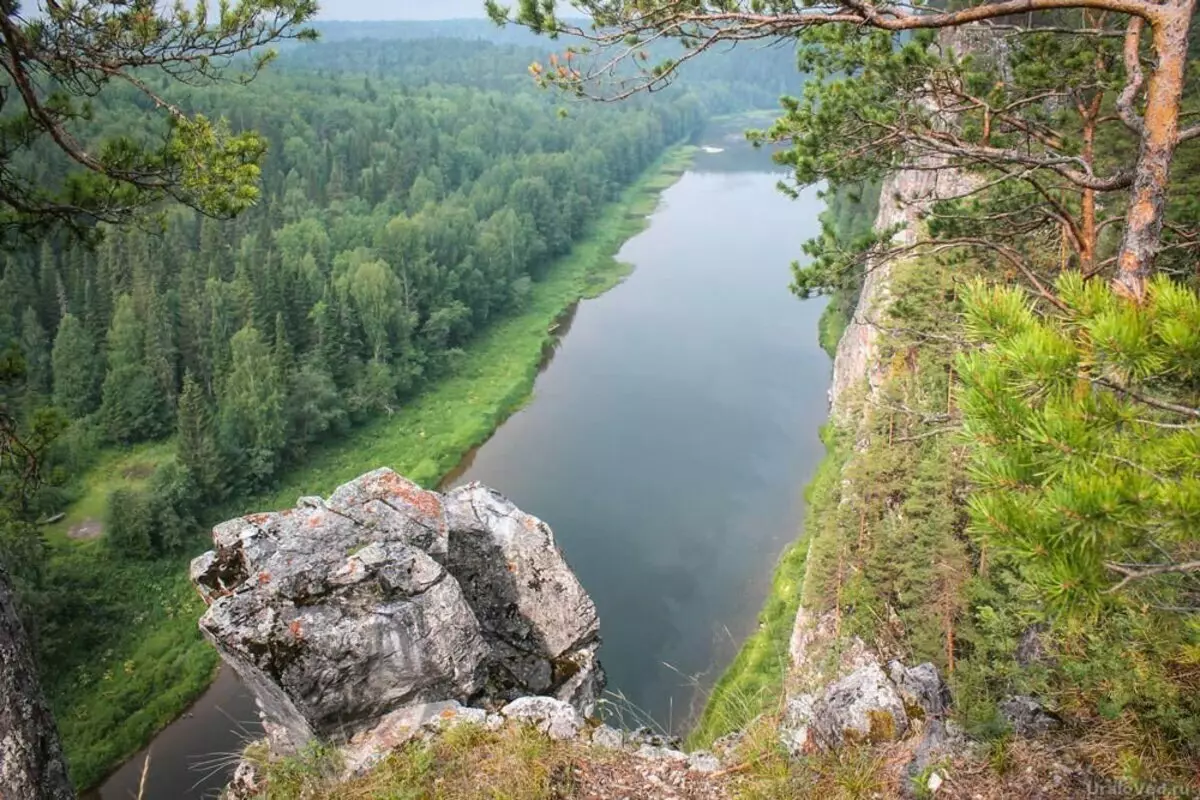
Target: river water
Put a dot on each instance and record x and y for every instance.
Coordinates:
(668, 441)
(666, 444)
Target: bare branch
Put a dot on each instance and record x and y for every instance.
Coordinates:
(1134, 77)
(1135, 572)
(1153, 402)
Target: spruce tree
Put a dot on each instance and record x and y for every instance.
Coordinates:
(76, 370)
(161, 353)
(35, 348)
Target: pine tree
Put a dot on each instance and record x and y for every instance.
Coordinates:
(197, 448)
(1083, 417)
(76, 369)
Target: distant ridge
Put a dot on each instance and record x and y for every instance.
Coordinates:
(390, 10)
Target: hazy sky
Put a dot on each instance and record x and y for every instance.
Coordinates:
(400, 9)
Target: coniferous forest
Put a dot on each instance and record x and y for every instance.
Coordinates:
(224, 286)
(414, 192)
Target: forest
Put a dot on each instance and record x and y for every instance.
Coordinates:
(414, 192)
(209, 285)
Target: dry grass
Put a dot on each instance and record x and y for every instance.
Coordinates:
(1122, 749)
(518, 763)
(465, 762)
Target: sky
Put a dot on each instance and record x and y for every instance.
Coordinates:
(400, 9)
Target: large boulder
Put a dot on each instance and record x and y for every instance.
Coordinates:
(340, 611)
(864, 706)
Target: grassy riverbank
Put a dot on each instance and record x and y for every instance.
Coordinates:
(753, 683)
(138, 660)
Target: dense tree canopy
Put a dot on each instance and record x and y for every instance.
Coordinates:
(59, 170)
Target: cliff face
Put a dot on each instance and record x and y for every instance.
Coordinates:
(838, 688)
(903, 198)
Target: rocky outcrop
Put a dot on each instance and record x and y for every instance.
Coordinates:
(852, 699)
(339, 612)
(656, 757)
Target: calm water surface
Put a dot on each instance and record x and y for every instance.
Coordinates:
(666, 444)
(669, 439)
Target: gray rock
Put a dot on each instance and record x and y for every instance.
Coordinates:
(646, 736)
(703, 761)
(539, 620)
(920, 687)
(653, 753)
(555, 718)
(864, 706)
(1026, 716)
(339, 612)
(726, 747)
(940, 740)
(609, 737)
(367, 747)
(464, 716)
(246, 783)
(794, 730)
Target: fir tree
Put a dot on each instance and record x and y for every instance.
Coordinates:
(77, 373)
(132, 405)
(197, 443)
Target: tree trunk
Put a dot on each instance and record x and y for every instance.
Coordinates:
(1087, 222)
(33, 767)
(1148, 198)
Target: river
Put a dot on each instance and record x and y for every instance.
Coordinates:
(667, 443)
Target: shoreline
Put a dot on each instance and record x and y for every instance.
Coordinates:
(438, 429)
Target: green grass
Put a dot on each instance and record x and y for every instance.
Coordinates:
(130, 657)
(130, 468)
(753, 683)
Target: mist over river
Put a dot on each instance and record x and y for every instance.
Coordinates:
(667, 443)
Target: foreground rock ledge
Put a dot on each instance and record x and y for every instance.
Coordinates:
(340, 611)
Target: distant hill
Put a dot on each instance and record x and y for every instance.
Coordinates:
(400, 9)
(484, 29)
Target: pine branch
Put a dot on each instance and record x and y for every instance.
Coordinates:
(1154, 402)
